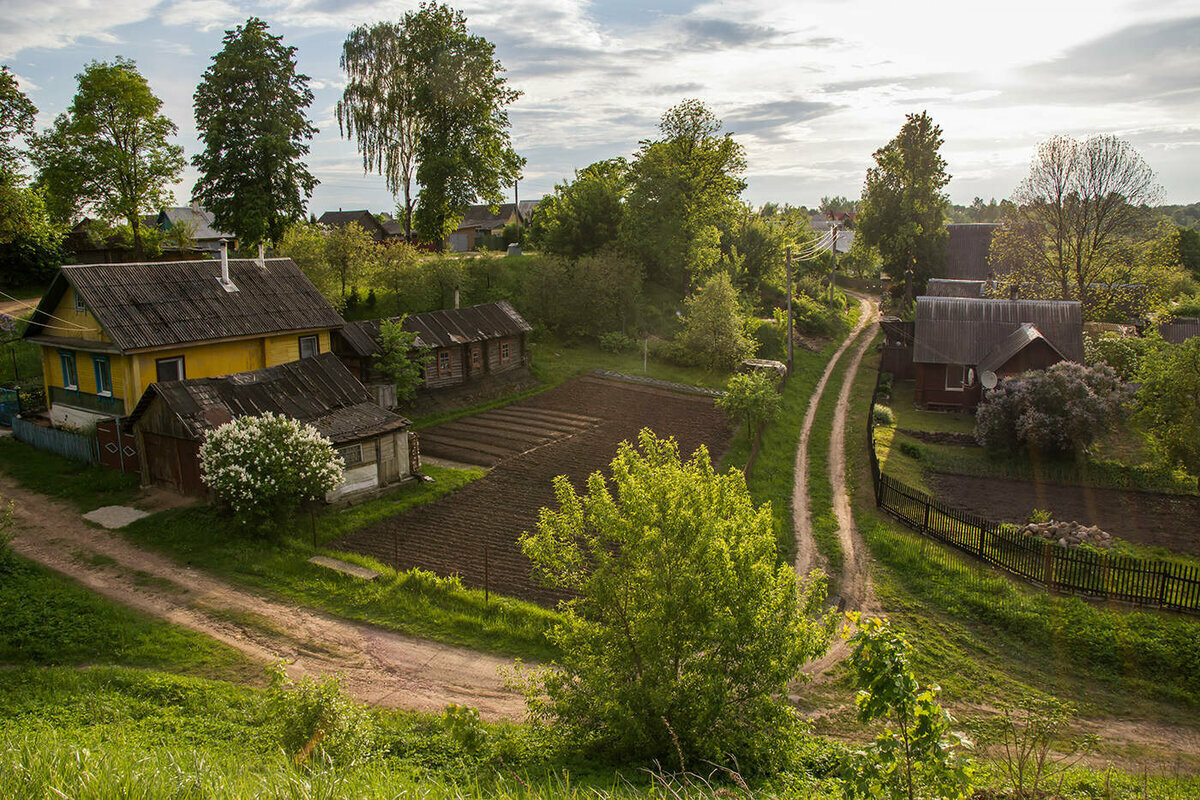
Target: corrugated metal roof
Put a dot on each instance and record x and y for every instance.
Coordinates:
(958, 330)
(1017, 341)
(200, 220)
(944, 287)
(450, 326)
(153, 305)
(967, 250)
(318, 390)
(1180, 329)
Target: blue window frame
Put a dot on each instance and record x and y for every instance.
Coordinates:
(103, 375)
(70, 376)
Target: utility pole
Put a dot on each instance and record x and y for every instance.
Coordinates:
(832, 269)
(517, 207)
(789, 301)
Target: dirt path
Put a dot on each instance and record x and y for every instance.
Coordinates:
(377, 666)
(807, 556)
(16, 308)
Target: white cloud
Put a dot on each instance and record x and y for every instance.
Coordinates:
(203, 15)
(60, 24)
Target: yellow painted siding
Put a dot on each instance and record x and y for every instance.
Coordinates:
(203, 361)
(74, 324)
(286, 348)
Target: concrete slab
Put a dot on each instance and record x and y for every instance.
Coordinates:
(113, 517)
(345, 567)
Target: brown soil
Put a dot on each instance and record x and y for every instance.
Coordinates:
(377, 666)
(1160, 520)
(474, 532)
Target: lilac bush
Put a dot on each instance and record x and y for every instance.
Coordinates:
(1053, 412)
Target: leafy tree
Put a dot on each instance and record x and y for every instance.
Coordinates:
(109, 153)
(264, 466)
(903, 207)
(713, 334)
(332, 257)
(30, 242)
(400, 359)
(683, 186)
(1124, 354)
(304, 243)
(753, 397)
(1168, 403)
(17, 113)
(1077, 218)
(584, 215)
(837, 204)
(1054, 412)
(250, 114)
(1187, 242)
(349, 250)
(920, 757)
(683, 631)
(458, 100)
(379, 106)
(394, 266)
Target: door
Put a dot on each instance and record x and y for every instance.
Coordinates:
(385, 454)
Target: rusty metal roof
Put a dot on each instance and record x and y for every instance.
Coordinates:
(319, 391)
(154, 305)
(450, 326)
(957, 330)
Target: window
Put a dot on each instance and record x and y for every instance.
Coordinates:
(505, 351)
(70, 376)
(351, 454)
(103, 375)
(170, 369)
(954, 377)
(444, 363)
(476, 358)
(80, 306)
(309, 346)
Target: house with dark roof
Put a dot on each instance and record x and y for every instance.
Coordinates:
(480, 220)
(108, 331)
(961, 345)
(378, 230)
(944, 287)
(464, 345)
(199, 224)
(173, 417)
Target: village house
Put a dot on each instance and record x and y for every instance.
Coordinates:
(108, 331)
(964, 345)
(481, 221)
(198, 222)
(385, 230)
(465, 345)
(172, 418)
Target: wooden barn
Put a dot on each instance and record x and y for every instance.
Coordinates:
(961, 343)
(465, 345)
(172, 418)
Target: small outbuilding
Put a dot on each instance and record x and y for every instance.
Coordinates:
(172, 418)
(960, 345)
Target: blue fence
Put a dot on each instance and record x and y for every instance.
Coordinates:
(76, 446)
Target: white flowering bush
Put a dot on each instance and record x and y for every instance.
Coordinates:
(263, 467)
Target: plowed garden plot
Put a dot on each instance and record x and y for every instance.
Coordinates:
(473, 533)
(1160, 520)
(487, 438)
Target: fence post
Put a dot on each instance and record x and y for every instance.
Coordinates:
(1048, 565)
(1162, 586)
(925, 526)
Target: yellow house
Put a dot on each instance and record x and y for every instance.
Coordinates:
(107, 331)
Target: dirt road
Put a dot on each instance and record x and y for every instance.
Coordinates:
(377, 666)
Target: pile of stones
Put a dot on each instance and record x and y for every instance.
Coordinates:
(1069, 534)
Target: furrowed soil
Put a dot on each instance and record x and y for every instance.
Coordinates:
(473, 533)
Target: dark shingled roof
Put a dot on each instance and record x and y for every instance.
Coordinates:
(481, 216)
(142, 306)
(955, 330)
(319, 391)
(1180, 329)
(365, 219)
(967, 250)
(1017, 341)
(450, 326)
(943, 287)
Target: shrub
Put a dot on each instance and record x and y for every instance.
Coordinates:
(617, 342)
(771, 337)
(317, 722)
(713, 334)
(815, 319)
(1123, 353)
(263, 467)
(911, 449)
(1054, 412)
(883, 415)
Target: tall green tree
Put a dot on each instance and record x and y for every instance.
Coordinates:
(583, 215)
(683, 630)
(683, 186)
(427, 100)
(714, 332)
(110, 153)
(400, 359)
(1168, 403)
(250, 114)
(17, 113)
(903, 209)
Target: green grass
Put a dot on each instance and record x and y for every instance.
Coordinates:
(26, 357)
(910, 417)
(413, 603)
(47, 619)
(84, 486)
(986, 637)
(556, 361)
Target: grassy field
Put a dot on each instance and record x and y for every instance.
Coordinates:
(556, 361)
(84, 486)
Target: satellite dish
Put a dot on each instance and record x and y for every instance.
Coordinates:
(988, 379)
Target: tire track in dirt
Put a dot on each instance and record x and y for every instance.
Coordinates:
(377, 666)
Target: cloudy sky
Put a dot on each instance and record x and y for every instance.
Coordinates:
(810, 89)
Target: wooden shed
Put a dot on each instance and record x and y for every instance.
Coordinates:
(464, 344)
(172, 418)
(958, 341)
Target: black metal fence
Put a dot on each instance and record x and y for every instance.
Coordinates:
(1064, 569)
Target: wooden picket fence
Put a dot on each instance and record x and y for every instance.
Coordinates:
(1089, 573)
(76, 446)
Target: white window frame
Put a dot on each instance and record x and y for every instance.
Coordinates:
(449, 368)
(962, 378)
(158, 365)
(65, 358)
(316, 345)
(80, 306)
(101, 366)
